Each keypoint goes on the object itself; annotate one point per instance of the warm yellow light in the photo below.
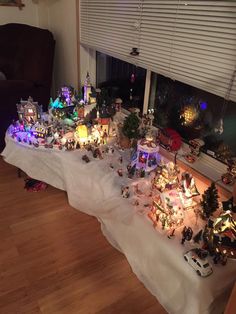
(189, 115)
(82, 132)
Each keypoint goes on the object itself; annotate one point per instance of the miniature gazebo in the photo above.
(146, 157)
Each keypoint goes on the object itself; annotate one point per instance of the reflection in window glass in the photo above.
(195, 113)
(121, 79)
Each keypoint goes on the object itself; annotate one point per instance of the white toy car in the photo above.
(197, 259)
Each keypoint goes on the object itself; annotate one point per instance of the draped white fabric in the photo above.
(94, 188)
(190, 41)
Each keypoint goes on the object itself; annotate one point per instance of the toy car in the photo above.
(197, 259)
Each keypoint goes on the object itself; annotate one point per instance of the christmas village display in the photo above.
(154, 186)
(71, 121)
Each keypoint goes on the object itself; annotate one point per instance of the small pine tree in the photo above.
(209, 201)
(131, 125)
(197, 238)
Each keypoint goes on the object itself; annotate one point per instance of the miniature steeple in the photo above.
(87, 88)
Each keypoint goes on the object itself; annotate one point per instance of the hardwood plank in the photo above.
(55, 259)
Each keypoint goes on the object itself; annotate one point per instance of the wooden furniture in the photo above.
(26, 60)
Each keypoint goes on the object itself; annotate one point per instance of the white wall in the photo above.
(28, 15)
(59, 16)
(62, 23)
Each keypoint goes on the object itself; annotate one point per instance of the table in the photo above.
(94, 188)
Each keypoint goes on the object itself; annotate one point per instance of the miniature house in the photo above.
(81, 133)
(29, 111)
(39, 130)
(167, 177)
(104, 124)
(224, 230)
(66, 94)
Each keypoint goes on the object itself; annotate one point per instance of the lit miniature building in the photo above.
(87, 89)
(69, 141)
(224, 234)
(146, 156)
(66, 95)
(104, 124)
(39, 130)
(189, 191)
(29, 111)
(167, 177)
(167, 210)
(81, 133)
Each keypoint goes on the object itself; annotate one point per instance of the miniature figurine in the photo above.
(188, 185)
(187, 233)
(172, 234)
(125, 192)
(85, 158)
(120, 172)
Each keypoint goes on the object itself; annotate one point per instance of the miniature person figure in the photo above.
(125, 192)
(120, 172)
(104, 137)
(172, 234)
(187, 234)
(217, 257)
(188, 185)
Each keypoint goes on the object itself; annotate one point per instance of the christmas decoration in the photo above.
(125, 192)
(169, 139)
(146, 156)
(167, 209)
(197, 259)
(131, 125)
(197, 238)
(187, 234)
(188, 185)
(229, 177)
(85, 158)
(224, 234)
(29, 111)
(166, 177)
(209, 201)
(194, 150)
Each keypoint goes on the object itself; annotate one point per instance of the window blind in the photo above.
(110, 26)
(190, 41)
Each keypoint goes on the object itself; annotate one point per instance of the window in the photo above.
(121, 79)
(195, 113)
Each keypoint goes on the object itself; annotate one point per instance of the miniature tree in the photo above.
(209, 201)
(197, 238)
(131, 125)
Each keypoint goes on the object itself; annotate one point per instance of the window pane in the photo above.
(195, 113)
(121, 79)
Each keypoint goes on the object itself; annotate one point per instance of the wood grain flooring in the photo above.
(54, 259)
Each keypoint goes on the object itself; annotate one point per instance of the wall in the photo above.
(28, 15)
(59, 16)
(62, 23)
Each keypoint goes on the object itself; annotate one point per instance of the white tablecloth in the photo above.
(94, 188)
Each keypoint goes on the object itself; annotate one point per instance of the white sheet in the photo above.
(94, 188)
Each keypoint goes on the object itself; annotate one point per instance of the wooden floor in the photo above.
(54, 259)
